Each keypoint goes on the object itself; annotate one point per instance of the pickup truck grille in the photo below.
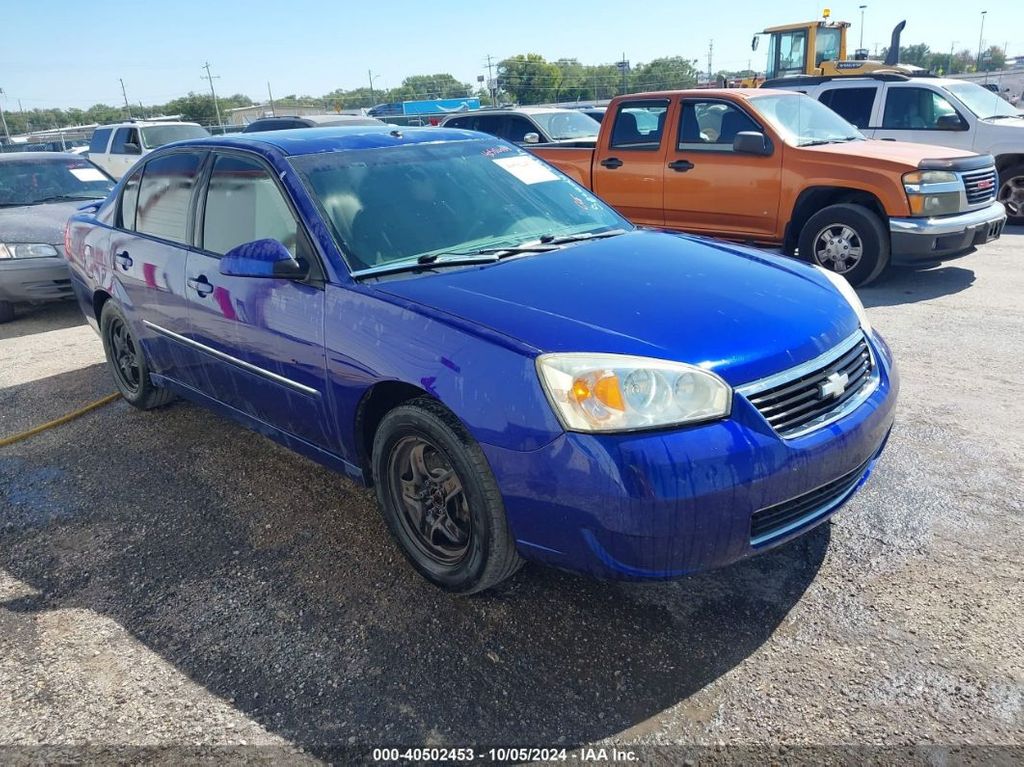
(812, 395)
(980, 186)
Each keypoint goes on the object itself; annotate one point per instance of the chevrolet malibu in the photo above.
(519, 372)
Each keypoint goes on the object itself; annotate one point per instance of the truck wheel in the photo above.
(6, 311)
(1011, 193)
(128, 361)
(440, 500)
(847, 239)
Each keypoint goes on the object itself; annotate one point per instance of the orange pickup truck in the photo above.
(779, 168)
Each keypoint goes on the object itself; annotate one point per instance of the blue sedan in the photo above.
(518, 371)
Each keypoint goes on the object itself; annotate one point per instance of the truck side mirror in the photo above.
(132, 149)
(751, 142)
(531, 138)
(951, 122)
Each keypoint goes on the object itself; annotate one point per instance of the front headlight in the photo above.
(619, 392)
(27, 250)
(932, 192)
(849, 294)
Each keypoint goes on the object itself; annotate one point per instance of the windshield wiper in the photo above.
(63, 198)
(550, 239)
(996, 117)
(427, 262)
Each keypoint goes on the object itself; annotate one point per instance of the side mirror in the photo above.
(262, 258)
(754, 42)
(531, 138)
(132, 149)
(751, 142)
(951, 122)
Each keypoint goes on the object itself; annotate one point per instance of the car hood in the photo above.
(894, 152)
(37, 223)
(740, 312)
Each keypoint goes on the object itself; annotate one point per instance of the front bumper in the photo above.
(34, 279)
(665, 504)
(916, 240)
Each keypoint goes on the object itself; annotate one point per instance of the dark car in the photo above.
(38, 193)
(288, 122)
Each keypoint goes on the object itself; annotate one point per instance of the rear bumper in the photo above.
(34, 279)
(916, 240)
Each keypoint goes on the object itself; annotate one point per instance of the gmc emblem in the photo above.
(986, 183)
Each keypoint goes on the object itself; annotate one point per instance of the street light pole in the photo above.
(951, 44)
(977, 65)
(861, 46)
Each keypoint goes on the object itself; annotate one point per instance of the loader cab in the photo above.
(801, 49)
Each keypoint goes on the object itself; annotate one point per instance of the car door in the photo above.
(149, 247)
(262, 338)
(630, 170)
(915, 113)
(709, 187)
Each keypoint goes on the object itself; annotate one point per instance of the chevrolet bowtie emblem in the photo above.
(833, 386)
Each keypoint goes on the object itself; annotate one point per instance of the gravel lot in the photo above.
(168, 579)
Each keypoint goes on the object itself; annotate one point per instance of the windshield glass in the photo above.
(456, 197)
(802, 121)
(567, 125)
(27, 182)
(984, 103)
(158, 135)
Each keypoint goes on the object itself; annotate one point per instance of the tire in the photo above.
(459, 539)
(851, 225)
(1011, 193)
(6, 311)
(127, 361)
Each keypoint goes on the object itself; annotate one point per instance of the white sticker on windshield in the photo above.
(527, 169)
(87, 174)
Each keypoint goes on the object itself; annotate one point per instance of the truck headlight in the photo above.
(620, 392)
(932, 192)
(27, 250)
(849, 294)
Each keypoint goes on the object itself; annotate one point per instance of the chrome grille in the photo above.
(818, 392)
(980, 186)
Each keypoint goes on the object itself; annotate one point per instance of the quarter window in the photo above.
(244, 204)
(712, 125)
(853, 104)
(639, 125)
(165, 195)
(914, 109)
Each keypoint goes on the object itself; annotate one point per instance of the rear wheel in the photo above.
(6, 311)
(128, 361)
(1011, 192)
(440, 500)
(848, 239)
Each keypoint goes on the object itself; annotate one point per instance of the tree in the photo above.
(664, 74)
(529, 78)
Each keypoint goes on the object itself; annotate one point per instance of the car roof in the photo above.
(145, 123)
(299, 141)
(29, 156)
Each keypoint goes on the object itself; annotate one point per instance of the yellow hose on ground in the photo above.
(5, 441)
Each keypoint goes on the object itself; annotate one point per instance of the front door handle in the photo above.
(680, 166)
(612, 162)
(200, 285)
(123, 260)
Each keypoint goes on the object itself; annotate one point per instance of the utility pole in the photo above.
(373, 97)
(210, 78)
(951, 45)
(273, 112)
(124, 93)
(624, 66)
(3, 119)
(492, 86)
(711, 48)
(861, 47)
(977, 65)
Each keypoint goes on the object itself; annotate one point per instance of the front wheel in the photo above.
(127, 361)
(1011, 193)
(6, 311)
(440, 500)
(848, 239)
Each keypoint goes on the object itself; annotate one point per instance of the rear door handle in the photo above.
(680, 166)
(612, 162)
(200, 285)
(123, 260)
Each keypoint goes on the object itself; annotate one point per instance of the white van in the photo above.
(115, 148)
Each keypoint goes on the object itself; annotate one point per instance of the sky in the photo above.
(74, 54)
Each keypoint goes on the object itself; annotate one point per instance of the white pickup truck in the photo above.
(930, 110)
(115, 148)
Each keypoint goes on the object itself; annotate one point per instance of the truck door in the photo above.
(629, 162)
(921, 114)
(711, 188)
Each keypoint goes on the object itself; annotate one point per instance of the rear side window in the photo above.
(489, 124)
(165, 195)
(712, 125)
(243, 203)
(852, 104)
(914, 109)
(639, 125)
(130, 200)
(100, 139)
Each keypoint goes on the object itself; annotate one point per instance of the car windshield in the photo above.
(453, 198)
(802, 121)
(984, 103)
(29, 182)
(158, 135)
(567, 125)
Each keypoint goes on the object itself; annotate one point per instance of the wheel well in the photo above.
(1005, 161)
(376, 403)
(814, 199)
(98, 299)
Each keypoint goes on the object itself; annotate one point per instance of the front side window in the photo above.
(243, 204)
(712, 125)
(165, 196)
(516, 128)
(123, 137)
(567, 126)
(852, 104)
(802, 121)
(36, 181)
(914, 109)
(99, 141)
(445, 198)
(639, 125)
(158, 135)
